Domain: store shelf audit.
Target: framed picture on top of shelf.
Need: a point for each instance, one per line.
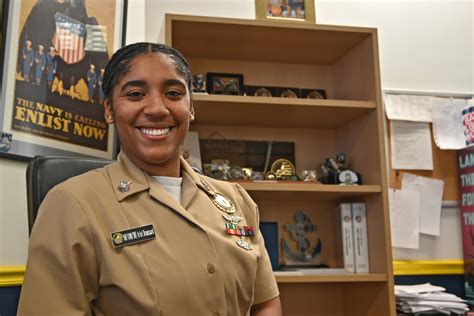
(223, 83)
(54, 59)
(285, 10)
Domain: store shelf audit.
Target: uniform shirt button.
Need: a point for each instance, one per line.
(211, 268)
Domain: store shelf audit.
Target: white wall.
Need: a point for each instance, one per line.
(424, 46)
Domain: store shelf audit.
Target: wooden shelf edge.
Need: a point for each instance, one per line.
(346, 278)
(307, 187)
(238, 99)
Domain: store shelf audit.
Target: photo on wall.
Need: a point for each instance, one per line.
(56, 64)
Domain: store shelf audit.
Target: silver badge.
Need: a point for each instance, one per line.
(124, 186)
(222, 203)
(232, 218)
(243, 244)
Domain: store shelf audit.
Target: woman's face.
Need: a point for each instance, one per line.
(151, 108)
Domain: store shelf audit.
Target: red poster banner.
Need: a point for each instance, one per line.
(466, 178)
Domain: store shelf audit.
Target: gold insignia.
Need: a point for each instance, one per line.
(117, 238)
(222, 203)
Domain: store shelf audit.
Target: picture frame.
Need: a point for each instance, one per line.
(300, 11)
(225, 83)
(54, 61)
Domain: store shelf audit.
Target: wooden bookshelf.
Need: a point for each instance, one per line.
(344, 62)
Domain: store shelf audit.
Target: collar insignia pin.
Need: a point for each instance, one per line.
(124, 186)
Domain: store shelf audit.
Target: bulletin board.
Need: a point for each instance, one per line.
(444, 168)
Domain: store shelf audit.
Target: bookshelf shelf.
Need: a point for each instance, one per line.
(276, 112)
(347, 278)
(343, 61)
(310, 187)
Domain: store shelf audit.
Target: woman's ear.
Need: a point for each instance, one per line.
(191, 113)
(109, 113)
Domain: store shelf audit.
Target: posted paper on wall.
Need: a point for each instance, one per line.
(411, 145)
(404, 218)
(431, 197)
(448, 128)
(409, 107)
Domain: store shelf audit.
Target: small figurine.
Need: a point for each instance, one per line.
(199, 84)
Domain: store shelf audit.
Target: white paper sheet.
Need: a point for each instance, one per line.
(404, 218)
(431, 196)
(411, 145)
(448, 129)
(418, 288)
(409, 107)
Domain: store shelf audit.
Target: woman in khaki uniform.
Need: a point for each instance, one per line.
(147, 235)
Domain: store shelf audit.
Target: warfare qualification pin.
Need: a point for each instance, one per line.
(222, 203)
(243, 244)
(232, 218)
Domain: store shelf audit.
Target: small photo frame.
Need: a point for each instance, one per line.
(285, 10)
(283, 92)
(313, 93)
(224, 83)
(260, 91)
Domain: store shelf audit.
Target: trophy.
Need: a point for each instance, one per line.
(305, 254)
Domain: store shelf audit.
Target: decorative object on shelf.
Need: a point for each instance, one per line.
(310, 176)
(305, 254)
(245, 153)
(224, 83)
(217, 169)
(335, 171)
(260, 91)
(257, 176)
(313, 93)
(236, 173)
(288, 92)
(247, 173)
(285, 10)
(6, 142)
(282, 169)
(199, 84)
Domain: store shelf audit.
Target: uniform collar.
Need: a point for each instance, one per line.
(126, 171)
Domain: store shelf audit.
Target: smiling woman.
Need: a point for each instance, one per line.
(147, 235)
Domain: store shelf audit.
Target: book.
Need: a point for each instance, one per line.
(269, 232)
(361, 247)
(345, 239)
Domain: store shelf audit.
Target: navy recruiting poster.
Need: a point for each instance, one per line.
(57, 55)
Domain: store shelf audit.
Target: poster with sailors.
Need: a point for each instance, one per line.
(56, 59)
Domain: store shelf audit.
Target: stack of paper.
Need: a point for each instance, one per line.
(427, 298)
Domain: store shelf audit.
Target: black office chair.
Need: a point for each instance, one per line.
(43, 173)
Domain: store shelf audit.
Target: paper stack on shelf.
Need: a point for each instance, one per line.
(427, 298)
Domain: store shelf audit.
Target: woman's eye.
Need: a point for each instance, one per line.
(174, 93)
(135, 94)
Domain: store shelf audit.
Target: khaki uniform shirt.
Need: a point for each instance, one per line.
(192, 267)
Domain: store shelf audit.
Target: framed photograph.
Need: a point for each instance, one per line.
(55, 55)
(285, 10)
(222, 83)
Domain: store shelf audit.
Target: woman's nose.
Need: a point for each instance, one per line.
(156, 106)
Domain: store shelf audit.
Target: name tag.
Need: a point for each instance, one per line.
(132, 236)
